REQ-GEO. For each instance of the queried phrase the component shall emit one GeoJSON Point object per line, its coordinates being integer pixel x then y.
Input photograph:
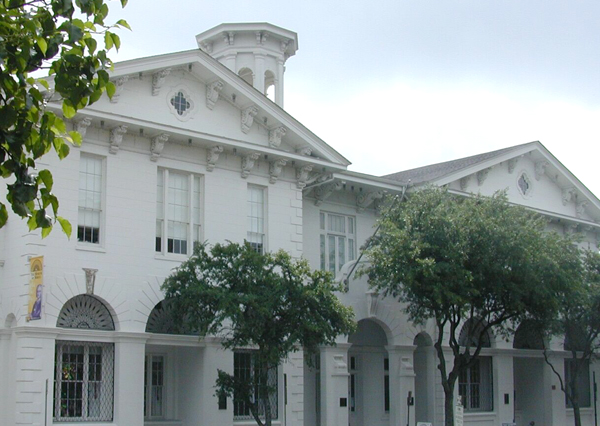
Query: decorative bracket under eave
{"type": "Point", "coordinates": [119, 84]}
{"type": "Point", "coordinates": [305, 151]}
{"type": "Point", "coordinates": [364, 200]}
{"type": "Point", "coordinates": [580, 209]}
{"type": "Point", "coordinates": [157, 146]}
{"type": "Point", "coordinates": [323, 192]}
{"type": "Point", "coordinates": [212, 93]}
{"type": "Point", "coordinates": [158, 79]}
{"type": "Point", "coordinates": [567, 195]}
{"type": "Point", "coordinates": [248, 163]}
{"type": "Point", "coordinates": [116, 138]}
{"type": "Point", "coordinates": [212, 156]}
{"type": "Point", "coordinates": [275, 136]}
{"type": "Point", "coordinates": [302, 175]}
{"type": "Point", "coordinates": [464, 182]}
{"type": "Point", "coordinates": [482, 175]}
{"type": "Point", "coordinates": [248, 115]}
{"type": "Point", "coordinates": [82, 125]}
{"type": "Point", "coordinates": [275, 169]}
{"type": "Point", "coordinates": [540, 169]}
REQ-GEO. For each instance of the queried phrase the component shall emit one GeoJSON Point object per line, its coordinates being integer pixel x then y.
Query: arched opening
{"type": "Point", "coordinates": [10, 321]}
{"type": "Point", "coordinates": [424, 364]}
{"type": "Point", "coordinates": [84, 371]}
{"type": "Point", "coordinates": [162, 320]}
{"type": "Point", "coordinates": [528, 336]}
{"type": "Point", "coordinates": [475, 384]}
{"type": "Point", "coordinates": [86, 312]}
{"type": "Point", "coordinates": [270, 85]}
{"type": "Point", "coordinates": [369, 380]}
{"type": "Point", "coordinates": [247, 75]}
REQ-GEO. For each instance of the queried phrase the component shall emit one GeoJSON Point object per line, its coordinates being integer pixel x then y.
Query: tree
{"type": "Point", "coordinates": [265, 301]}
{"type": "Point", "coordinates": [577, 319]}
{"type": "Point", "coordinates": [475, 262]}
{"type": "Point", "coordinates": [60, 37]}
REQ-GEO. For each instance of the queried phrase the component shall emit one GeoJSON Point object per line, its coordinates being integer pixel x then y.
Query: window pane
{"type": "Point", "coordinates": [90, 199]}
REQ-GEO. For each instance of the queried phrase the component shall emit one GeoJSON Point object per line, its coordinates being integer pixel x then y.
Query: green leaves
{"type": "Point", "coordinates": [59, 34]}
{"type": "Point", "coordinates": [269, 301]}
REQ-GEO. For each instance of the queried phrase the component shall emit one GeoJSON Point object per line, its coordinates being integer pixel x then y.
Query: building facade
{"type": "Point", "coordinates": [196, 146]}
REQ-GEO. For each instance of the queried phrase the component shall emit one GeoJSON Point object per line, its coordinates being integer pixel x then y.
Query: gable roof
{"type": "Point", "coordinates": [433, 172]}
{"type": "Point", "coordinates": [209, 69]}
{"type": "Point", "coordinates": [451, 171]}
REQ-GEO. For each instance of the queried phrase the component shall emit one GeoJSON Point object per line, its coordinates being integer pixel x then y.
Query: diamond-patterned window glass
{"type": "Point", "coordinates": [524, 184]}
{"type": "Point", "coordinates": [84, 382]}
{"type": "Point", "coordinates": [180, 103]}
{"type": "Point", "coordinates": [87, 312]}
{"type": "Point", "coordinates": [244, 367]}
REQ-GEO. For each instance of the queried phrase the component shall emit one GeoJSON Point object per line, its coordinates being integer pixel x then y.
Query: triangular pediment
{"type": "Point", "coordinates": [529, 173]}
{"type": "Point", "coordinates": [194, 99]}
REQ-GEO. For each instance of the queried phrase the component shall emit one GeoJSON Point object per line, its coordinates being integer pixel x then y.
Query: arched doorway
{"type": "Point", "coordinates": [369, 385]}
{"type": "Point", "coordinates": [424, 364]}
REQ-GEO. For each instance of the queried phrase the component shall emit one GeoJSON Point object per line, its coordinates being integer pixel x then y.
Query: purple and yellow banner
{"type": "Point", "coordinates": [36, 288]}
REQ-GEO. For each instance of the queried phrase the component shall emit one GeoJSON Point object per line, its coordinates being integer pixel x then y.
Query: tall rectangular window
{"type": "Point", "coordinates": [582, 383]}
{"type": "Point", "coordinates": [475, 385]}
{"type": "Point", "coordinates": [154, 386]}
{"type": "Point", "coordinates": [90, 199]}
{"type": "Point", "coordinates": [178, 212]}
{"type": "Point", "coordinates": [84, 386]}
{"type": "Point", "coordinates": [245, 368]}
{"type": "Point", "coordinates": [256, 218]}
{"type": "Point", "coordinates": [337, 240]}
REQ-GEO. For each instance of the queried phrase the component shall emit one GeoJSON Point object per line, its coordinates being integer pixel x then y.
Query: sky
{"type": "Point", "coordinates": [397, 84]}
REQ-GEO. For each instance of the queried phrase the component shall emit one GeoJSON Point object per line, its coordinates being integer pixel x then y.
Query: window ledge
{"type": "Point", "coordinates": [172, 257]}
{"type": "Point", "coordinates": [90, 247]}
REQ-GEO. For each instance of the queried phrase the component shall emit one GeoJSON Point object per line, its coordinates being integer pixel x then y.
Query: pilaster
{"type": "Point", "coordinates": [334, 385]}
{"type": "Point", "coordinates": [402, 384]}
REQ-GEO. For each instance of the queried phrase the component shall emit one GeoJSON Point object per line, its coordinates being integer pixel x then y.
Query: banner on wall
{"type": "Point", "coordinates": [36, 288]}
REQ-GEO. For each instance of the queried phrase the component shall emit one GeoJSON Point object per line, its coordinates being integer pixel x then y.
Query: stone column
{"type": "Point", "coordinates": [259, 73]}
{"type": "Point", "coordinates": [503, 385]}
{"type": "Point", "coordinates": [402, 381]}
{"type": "Point", "coordinates": [279, 83]}
{"type": "Point", "coordinates": [129, 380]}
{"type": "Point", "coordinates": [334, 385]}
{"type": "Point", "coordinates": [31, 377]}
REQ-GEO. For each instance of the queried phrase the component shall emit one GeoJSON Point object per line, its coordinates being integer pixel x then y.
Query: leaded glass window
{"type": "Point", "coordinates": [90, 199]}
{"type": "Point", "coordinates": [256, 218]}
{"type": "Point", "coordinates": [337, 240]}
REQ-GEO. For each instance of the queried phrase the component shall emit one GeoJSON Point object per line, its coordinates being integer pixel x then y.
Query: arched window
{"type": "Point", "coordinates": [270, 85]}
{"type": "Point", "coordinates": [247, 75]}
{"type": "Point", "coordinates": [84, 371]}
{"type": "Point", "coordinates": [85, 311]}
{"type": "Point", "coordinates": [528, 337]}
{"type": "Point", "coordinates": [472, 332]}
{"type": "Point", "coordinates": [161, 320]}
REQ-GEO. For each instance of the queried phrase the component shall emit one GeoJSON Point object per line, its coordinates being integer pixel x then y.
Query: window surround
{"type": "Point", "coordinates": [97, 402]}
{"type": "Point", "coordinates": [166, 208]}
{"type": "Point", "coordinates": [187, 114]}
{"type": "Point", "coordinates": [89, 245]}
{"type": "Point", "coordinates": [240, 406]}
{"type": "Point", "coordinates": [256, 234]}
{"type": "Point", "coordinates": [149, 405]}
{"type": "Point", "coordinates": [340, 233]}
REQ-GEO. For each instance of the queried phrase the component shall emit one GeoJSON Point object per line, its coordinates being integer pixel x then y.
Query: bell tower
{"type": "Point", "coordinates": [255, 51]}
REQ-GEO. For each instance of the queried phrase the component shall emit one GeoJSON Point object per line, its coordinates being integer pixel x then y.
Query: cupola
{"type": "Point", "coordinates": [255, 51]}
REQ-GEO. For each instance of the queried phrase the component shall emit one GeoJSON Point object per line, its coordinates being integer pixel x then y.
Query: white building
{"type": "Point", "coordinates": [190, 149]}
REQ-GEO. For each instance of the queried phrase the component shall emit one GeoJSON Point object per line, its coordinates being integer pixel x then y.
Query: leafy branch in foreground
{"type": "Point", "coordinates": [59, 36]}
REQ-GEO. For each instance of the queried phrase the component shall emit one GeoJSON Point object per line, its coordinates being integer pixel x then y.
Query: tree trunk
{"type": "Point", "coordinates": [449, 407]}
{"type": "Point", "coordinates": [577, 414]}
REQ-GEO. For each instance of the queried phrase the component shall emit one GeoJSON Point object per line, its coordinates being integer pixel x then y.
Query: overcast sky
{"type": "Point", "coordinates": [398, 84]}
